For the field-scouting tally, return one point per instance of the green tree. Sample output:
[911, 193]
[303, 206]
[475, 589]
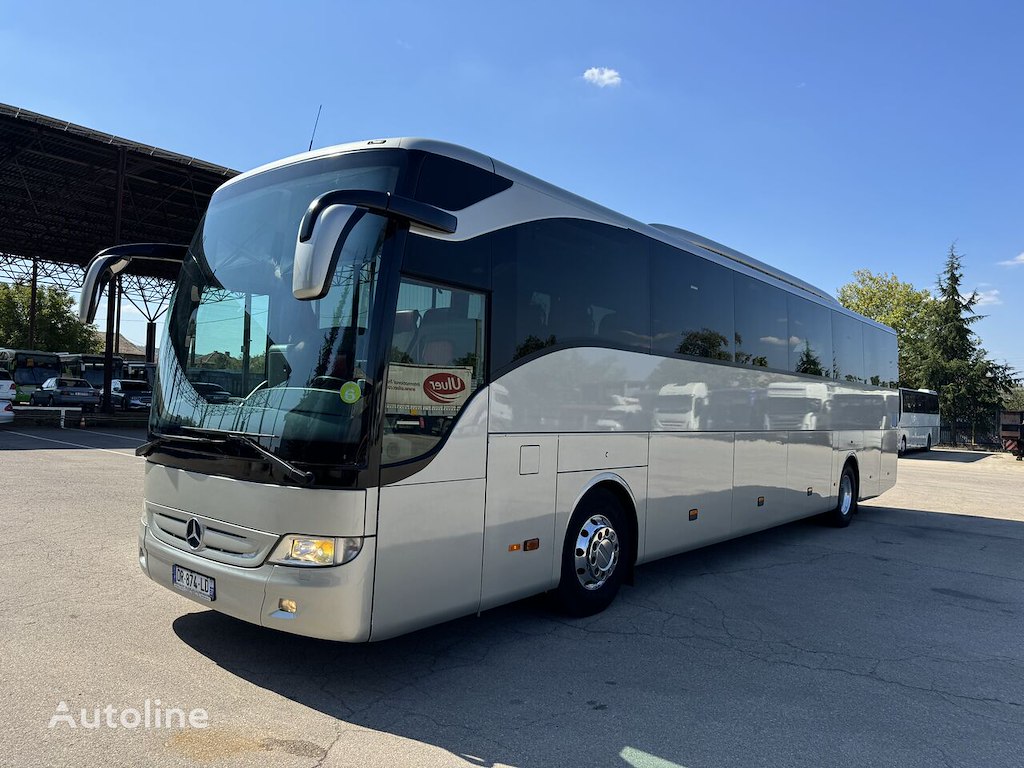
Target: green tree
[1014, 399]
[57, 326]
[971, 387]
[901, 306]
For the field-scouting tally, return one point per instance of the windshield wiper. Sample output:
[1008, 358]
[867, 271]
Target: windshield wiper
[290, 470]
[147, 448]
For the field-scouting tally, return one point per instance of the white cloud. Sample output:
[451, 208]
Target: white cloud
[602, 77]
[989, 298]
[1015, 261]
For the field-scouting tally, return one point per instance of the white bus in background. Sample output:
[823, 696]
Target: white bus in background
[337, 501]
[29, 368]
[919, 419]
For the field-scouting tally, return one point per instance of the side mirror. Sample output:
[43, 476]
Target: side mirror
[99, 272]
[330, 218]
[112, 261]
[317, 257]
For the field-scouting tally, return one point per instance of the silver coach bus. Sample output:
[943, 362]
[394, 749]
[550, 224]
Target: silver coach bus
[455, 385]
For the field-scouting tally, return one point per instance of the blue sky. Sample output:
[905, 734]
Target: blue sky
[819, 137]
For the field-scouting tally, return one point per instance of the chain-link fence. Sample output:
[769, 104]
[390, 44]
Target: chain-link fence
[984, 432]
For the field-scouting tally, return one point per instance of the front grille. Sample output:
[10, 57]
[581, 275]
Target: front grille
[223, 542]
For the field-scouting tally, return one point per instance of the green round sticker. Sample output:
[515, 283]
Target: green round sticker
[350, 392]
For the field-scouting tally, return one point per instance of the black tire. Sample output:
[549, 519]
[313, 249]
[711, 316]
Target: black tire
[595, 554]
[846, 501]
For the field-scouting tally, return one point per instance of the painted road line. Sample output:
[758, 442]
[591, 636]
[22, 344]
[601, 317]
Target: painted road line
[110, 434]
[76, 445]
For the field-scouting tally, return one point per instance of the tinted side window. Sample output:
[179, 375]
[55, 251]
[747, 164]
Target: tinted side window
[810, 337]
[880, 357]
[453, 184]
[569, 282]
[761, 324]
[847, 348]
[691, 305]
[465, 263]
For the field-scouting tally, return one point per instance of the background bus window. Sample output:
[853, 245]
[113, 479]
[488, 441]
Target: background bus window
[692, 305]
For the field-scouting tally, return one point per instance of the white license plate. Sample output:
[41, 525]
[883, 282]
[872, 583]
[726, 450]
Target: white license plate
[194, 583]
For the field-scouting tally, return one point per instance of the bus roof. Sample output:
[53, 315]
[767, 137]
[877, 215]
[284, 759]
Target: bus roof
[671, 235]
[14, 351]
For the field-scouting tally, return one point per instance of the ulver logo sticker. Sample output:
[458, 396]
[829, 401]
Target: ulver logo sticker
[443, 387]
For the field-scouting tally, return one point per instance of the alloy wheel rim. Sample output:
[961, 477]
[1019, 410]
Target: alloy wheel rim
[596, 553]
[845, 495]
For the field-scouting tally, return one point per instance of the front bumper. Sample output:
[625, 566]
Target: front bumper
[333, 603]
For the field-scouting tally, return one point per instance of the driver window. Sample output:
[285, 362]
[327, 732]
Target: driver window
[435, 364]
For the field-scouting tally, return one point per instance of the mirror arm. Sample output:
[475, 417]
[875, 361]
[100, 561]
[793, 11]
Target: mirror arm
[383, 203]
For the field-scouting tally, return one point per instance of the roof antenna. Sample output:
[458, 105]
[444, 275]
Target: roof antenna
[315, 124]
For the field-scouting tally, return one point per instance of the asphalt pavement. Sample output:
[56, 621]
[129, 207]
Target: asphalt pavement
[894, 642]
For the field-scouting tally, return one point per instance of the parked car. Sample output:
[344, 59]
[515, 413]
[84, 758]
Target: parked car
[211, 393]
[63, 390]
[8, 389]
[6, 411]
[130, 394]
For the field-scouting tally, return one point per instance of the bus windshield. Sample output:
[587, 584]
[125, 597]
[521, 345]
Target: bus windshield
[241, 354]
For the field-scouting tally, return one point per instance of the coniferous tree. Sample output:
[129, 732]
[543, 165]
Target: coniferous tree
[953, 362]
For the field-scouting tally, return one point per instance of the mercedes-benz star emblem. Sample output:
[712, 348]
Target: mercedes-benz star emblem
[194, 533]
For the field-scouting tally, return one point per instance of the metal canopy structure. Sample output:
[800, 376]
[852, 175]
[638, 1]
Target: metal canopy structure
[67, 192]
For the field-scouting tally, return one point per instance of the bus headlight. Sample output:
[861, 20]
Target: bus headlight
[315, 551]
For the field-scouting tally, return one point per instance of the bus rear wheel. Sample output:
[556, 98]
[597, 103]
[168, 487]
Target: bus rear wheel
[594, 555]
[846, 503]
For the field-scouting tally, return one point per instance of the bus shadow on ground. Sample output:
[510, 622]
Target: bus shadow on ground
[948, 455]
[711, 642]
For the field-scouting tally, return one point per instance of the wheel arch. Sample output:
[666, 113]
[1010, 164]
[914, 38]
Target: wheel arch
[620, 489]
[851, 460]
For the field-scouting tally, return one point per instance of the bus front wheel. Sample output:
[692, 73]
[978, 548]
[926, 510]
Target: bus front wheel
[846, 503]
[594, 556]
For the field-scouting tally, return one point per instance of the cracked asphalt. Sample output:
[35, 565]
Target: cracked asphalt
[895, 642]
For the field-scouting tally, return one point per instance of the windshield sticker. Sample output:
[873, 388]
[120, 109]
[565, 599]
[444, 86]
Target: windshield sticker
[350, 392]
